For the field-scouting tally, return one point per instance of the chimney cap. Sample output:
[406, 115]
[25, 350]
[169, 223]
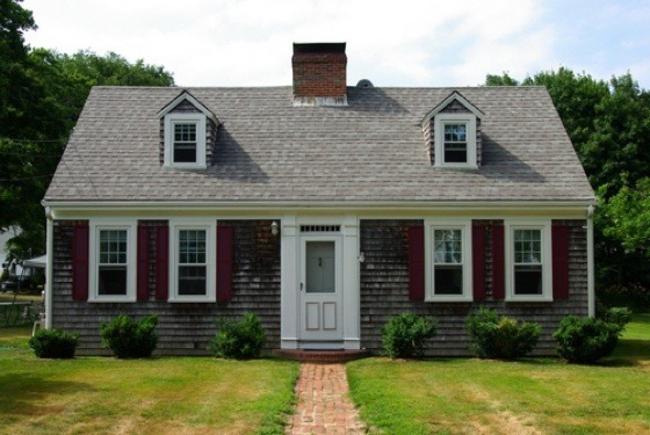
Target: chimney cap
[318, 47]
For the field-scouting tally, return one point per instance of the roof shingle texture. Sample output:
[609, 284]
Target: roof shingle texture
[268, 150]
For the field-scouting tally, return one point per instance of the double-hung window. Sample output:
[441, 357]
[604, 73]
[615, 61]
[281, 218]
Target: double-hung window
[112, 261]
[455, 140]
[448, 272]
[529, 262]
[185, 140]
[185, 143]
[193, 267]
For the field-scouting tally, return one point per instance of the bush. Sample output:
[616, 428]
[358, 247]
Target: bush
[633, 296]
[585, 340]
[128, 338]
[620, 316]
[241, 339]
[404, 335]
[53, 343]
[496, 336]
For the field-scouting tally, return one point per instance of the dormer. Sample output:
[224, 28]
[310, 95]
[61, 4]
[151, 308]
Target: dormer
[188, 132]
[452, 133]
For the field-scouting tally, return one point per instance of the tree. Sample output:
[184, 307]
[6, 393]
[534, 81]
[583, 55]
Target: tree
[42, 93]
[609, 125]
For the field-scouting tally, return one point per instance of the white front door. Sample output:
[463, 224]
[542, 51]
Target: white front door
[321, 291]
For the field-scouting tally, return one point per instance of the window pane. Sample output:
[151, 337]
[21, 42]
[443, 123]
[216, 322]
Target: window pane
[448, 280]
[528, 280]
[185, 132]
[528, 246]
[455, 133]
[447, 246]
[319, 263]
[191, 246]
[112, 246]
[191, 280]
[112, 280]
[455, 154]
[184, 153]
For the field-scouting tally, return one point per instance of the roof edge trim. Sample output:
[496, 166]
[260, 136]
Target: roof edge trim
[186, 95]
[455, 95]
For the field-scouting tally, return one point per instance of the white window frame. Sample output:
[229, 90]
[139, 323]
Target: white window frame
[185, 118]
[95, 226]
[210, 226]
[440, 120]
[544, 225]
[465, 226]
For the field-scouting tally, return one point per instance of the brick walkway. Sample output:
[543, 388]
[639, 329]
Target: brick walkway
[323, 403]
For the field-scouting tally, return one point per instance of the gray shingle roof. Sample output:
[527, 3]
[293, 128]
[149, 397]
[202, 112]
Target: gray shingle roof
[371, 150]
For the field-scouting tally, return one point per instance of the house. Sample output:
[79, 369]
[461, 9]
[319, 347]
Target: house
[323, 208]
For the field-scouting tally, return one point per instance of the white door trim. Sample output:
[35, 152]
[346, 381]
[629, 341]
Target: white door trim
[290, 322]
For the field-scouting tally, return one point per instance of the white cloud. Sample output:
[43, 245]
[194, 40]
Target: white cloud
[248, 42]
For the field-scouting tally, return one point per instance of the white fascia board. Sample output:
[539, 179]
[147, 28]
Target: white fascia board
[579, 204]
[185, 95]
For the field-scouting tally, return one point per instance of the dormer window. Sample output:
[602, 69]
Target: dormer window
[452, 131]
[185, 140]
[455, 140]
[187, 124]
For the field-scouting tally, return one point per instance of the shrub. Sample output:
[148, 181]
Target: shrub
[128, 338]
[620, 316]
[404, 335]
[585, 340]
[53, 343]
[239, 339]
[497, 336]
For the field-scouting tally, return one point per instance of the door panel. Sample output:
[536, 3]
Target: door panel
[321, 289]
[329, 315]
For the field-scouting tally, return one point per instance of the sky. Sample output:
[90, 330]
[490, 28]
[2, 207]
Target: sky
[392, 43]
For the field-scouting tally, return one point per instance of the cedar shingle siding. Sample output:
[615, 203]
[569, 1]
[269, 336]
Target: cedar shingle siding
[385, 291]
[184, 328]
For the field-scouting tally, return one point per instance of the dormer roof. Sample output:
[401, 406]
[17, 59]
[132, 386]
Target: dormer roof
[455, 95]
[185, 95]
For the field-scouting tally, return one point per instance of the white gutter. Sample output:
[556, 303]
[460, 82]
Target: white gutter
[49, 249]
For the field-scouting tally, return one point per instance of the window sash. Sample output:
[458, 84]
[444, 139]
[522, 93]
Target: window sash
[190, 252]
[441, 259]
[185, 143]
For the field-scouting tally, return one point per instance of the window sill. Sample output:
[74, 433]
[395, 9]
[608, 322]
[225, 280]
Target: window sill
[542, 298]
[448, 299]
[111, 299]
[186, 166]
[190, 299]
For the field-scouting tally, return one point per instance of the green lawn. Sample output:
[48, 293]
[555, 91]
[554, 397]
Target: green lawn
[534, 396]
[161, 395]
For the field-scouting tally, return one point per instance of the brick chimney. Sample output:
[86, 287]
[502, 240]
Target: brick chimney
[319, 76]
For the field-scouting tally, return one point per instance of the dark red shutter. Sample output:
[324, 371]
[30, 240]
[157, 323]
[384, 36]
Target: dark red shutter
[498, 261]
[416, 262]
[478, 260]
[143, 262]
[162, 262]
[560, 235]
[225, 254]
[80, 262]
